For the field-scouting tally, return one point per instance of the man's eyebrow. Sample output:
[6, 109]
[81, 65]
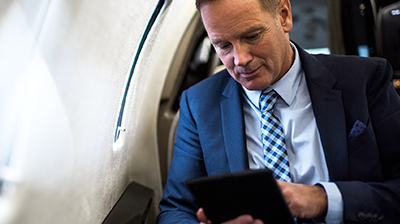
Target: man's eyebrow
[217, 41]
[252, 30]
[246, 32]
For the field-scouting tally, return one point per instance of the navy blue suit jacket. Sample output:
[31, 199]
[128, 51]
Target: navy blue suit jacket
[343, 89]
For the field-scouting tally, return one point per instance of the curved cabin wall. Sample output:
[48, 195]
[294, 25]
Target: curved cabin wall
[63, 70]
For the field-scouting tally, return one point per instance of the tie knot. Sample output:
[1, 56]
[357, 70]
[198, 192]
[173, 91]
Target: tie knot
[268, 100]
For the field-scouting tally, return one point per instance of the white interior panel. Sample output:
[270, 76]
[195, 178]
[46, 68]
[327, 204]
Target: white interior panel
[149, 78]
[63, 68]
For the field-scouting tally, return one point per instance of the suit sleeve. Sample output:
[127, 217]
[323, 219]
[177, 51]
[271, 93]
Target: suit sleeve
[177, 204]
[377, 200]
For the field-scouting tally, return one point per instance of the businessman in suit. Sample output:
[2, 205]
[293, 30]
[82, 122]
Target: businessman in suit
[337, 122]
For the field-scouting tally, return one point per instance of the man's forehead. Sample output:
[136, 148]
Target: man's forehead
[228, 6]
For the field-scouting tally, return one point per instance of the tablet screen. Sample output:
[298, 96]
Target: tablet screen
[227, 196]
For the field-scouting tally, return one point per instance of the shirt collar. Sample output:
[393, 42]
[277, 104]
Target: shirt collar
[286, 87]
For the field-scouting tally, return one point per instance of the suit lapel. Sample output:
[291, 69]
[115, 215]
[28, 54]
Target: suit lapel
[233, 127]
[329, 113]
[328, 110]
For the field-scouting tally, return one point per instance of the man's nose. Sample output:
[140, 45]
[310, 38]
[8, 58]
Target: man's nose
[242, 55]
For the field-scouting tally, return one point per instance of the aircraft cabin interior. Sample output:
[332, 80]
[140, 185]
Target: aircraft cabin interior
[90, 91]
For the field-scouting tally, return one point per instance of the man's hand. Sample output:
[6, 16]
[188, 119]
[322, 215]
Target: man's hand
[243, 219]
[305, 201]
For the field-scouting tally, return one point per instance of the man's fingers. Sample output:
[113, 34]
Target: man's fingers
[304, 201]
[201, 216]
[286, 190]
[243, 219]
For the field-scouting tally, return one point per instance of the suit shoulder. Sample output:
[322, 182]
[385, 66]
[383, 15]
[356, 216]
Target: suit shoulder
[205, 97]
[350, 60]
[343, 66]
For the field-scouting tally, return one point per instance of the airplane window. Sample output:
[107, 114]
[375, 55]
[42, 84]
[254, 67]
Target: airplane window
[310, 25]
[204, 50]
[363, 50]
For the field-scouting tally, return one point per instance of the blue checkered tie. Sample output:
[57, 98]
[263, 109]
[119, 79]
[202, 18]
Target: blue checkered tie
[275, 154]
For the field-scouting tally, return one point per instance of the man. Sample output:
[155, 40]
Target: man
[339, 117]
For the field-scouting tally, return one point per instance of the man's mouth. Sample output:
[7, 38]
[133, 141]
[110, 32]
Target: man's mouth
[250, 73]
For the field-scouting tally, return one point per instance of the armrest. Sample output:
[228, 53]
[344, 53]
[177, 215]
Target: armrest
[132, 207]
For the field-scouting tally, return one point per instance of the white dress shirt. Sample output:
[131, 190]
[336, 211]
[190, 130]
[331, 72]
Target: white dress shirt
[303, 144]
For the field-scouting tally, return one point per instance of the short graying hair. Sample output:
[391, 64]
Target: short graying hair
[268, 5]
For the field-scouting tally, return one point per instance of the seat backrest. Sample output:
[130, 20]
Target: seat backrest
[172, 138]
[388, 35]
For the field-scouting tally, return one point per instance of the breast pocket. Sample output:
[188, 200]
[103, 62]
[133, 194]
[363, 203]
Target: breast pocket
[363, 138]
[364, 158]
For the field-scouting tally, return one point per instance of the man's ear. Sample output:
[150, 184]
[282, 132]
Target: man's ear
[285, 15]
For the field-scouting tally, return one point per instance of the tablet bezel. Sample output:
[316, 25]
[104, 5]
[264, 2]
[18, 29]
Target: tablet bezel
[227, 196]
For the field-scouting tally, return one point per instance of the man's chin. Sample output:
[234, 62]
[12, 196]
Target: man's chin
[253, 83]
[253, 86]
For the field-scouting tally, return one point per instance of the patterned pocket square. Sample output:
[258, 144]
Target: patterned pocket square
[357, 129]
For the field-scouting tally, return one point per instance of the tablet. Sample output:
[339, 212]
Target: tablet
[227, 196]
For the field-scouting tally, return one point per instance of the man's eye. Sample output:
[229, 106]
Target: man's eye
[224, 46]
[254, 37]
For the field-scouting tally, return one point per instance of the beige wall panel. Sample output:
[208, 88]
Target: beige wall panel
[63, 68]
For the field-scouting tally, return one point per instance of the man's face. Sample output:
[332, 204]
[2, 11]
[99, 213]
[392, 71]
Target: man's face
[253, 45]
